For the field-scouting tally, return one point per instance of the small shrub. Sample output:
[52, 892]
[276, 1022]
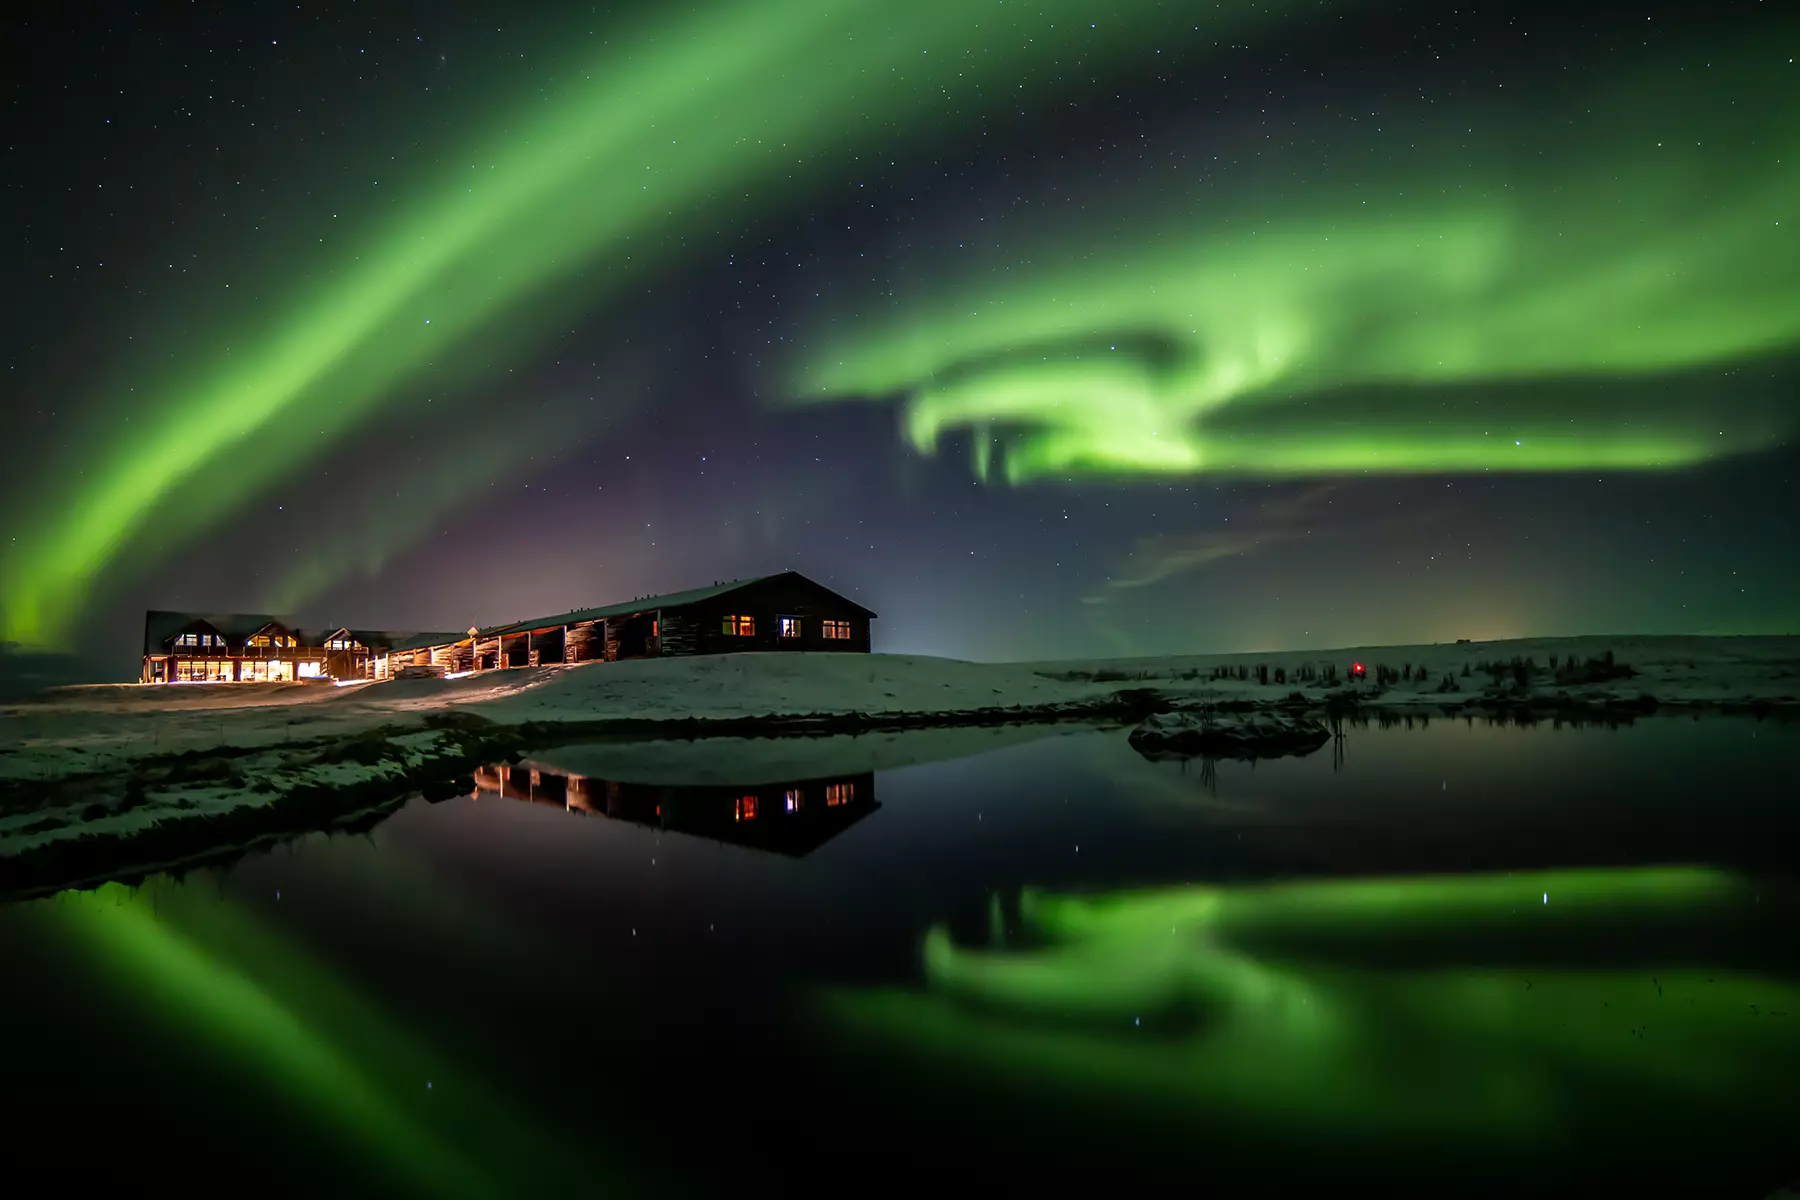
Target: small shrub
[1595, 670]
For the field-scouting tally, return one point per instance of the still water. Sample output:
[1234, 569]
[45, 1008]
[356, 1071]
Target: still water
[1458, 958]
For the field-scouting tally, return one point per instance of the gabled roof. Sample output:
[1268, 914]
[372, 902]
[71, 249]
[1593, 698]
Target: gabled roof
[387, 639]
[652, 603]
[161, 627]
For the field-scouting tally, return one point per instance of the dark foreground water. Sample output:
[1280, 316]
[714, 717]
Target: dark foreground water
[1461, 959]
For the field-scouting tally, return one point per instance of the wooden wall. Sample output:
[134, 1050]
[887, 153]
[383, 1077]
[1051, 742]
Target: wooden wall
[584, 642]
[702, 625]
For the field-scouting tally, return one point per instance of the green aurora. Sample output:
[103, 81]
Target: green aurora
[684, 129]
[211, 975]
[1461, 1011]
[1537, 293]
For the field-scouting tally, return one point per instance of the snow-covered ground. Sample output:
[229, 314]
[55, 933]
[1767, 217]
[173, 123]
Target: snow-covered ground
[281, 737]
[740, 761]
[1675, 670]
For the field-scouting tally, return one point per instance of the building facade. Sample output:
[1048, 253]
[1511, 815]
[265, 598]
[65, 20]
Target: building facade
[782, 612]
[182, 647]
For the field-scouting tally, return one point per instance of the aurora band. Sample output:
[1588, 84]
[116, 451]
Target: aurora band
[1567, 308]
[688, 126]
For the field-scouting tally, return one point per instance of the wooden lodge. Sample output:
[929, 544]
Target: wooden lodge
[774, 612]
[255, 648]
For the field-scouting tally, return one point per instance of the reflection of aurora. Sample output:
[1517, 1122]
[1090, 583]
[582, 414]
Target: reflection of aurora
[225, 984]
[1483, 1009]
[1272, 336]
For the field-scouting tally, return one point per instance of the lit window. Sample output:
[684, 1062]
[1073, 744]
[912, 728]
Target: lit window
[261, 639]
[740, 626]
[838, 793]
[309, 670]
[188, 639]
[790, 626]
[793, 799]
[746, 808]
[837, 629]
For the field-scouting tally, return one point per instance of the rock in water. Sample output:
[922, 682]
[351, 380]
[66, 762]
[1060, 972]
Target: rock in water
[1234, 735]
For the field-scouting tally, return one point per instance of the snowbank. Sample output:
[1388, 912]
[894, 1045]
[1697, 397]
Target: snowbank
[706, 762]
[782, 684]
[1242, 736]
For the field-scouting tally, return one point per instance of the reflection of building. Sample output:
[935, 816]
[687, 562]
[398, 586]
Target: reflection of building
[785, 818]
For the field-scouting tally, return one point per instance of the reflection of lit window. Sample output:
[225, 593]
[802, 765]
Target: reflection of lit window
[746, 808]
[793, 799]
[837, 793]
[740, 626]
[790, 626]
[837, 629]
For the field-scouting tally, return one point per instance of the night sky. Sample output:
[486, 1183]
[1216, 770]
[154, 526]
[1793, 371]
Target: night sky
[1042, 328]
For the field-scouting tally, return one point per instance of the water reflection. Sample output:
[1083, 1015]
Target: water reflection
[1506, 1013]
[1255, 977]
[792, 818]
